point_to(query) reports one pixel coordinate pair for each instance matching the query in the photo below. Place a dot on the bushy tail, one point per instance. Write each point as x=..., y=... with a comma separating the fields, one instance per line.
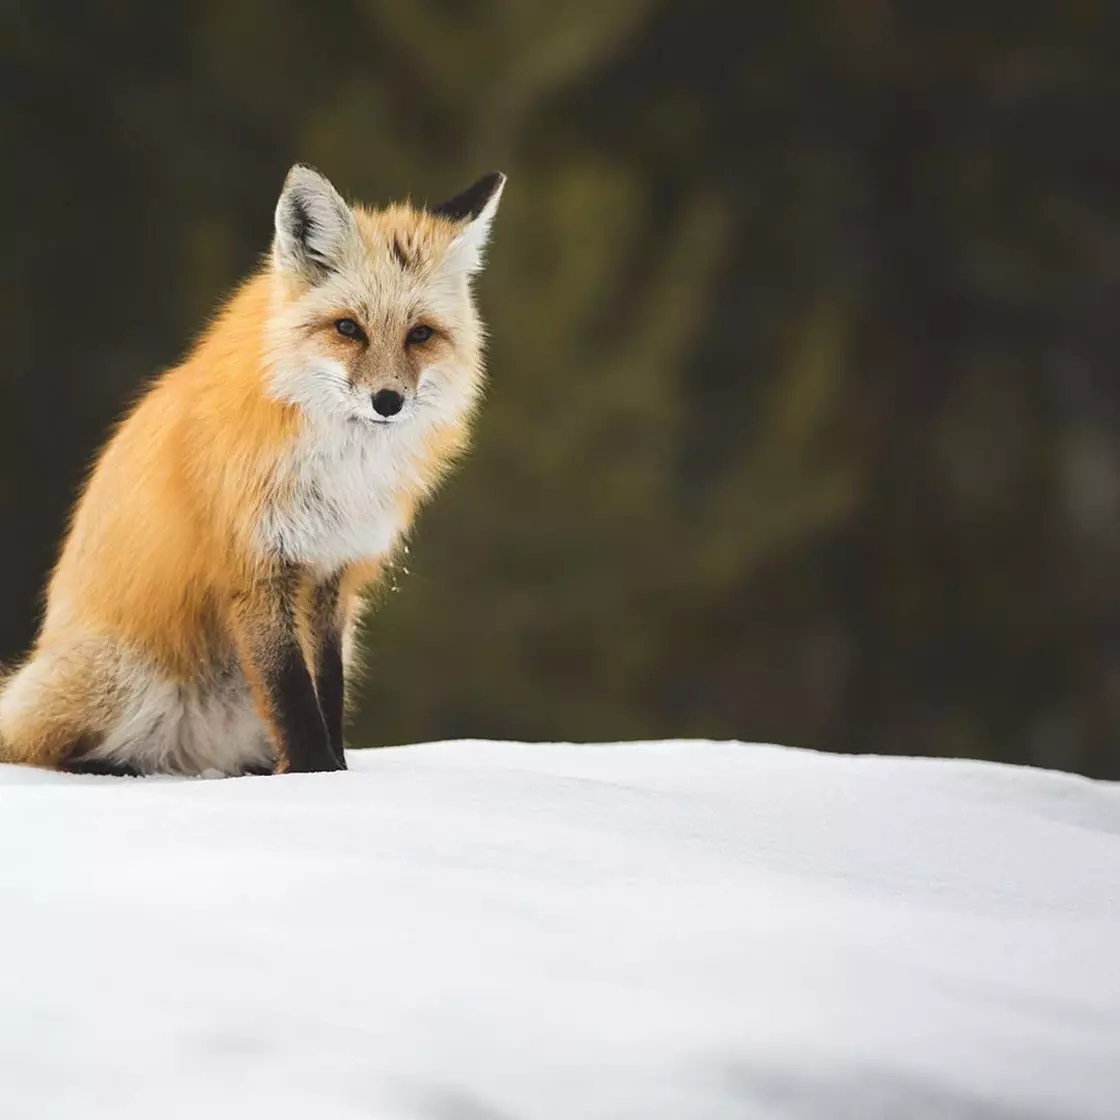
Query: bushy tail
x=5, y=676
x=7, y=748
x=25, y=724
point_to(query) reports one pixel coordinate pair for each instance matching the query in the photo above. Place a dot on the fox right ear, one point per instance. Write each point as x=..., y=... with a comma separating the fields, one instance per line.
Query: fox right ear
x=315, y=229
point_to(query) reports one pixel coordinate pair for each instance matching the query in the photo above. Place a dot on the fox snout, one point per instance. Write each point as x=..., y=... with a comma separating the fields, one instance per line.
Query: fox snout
x=387, y=402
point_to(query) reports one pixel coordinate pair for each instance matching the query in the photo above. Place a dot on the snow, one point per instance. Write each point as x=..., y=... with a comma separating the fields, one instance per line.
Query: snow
x=496, y=931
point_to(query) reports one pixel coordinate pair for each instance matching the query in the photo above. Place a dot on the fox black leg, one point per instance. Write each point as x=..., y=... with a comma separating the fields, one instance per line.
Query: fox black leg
x=326, y=632
x=101, y=767
x=273, y=661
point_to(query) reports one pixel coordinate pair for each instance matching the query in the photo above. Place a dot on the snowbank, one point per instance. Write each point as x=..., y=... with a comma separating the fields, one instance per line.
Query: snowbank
x=490, y=931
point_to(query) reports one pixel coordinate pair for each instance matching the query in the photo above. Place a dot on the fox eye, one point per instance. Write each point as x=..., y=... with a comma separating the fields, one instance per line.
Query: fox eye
x=418, y=335
x=349, y=329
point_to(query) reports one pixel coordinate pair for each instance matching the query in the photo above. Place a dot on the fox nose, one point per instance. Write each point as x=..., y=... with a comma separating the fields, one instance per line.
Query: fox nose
x=387, y=402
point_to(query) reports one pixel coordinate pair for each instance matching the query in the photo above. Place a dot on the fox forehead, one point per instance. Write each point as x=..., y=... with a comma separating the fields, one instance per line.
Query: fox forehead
x=399, y=268
x=413, y=239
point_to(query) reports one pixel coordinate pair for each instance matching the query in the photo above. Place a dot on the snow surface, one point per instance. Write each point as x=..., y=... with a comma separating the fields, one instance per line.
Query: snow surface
x=494, y=931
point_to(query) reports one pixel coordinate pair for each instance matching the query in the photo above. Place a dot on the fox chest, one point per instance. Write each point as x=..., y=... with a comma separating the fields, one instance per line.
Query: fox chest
x=337, y=505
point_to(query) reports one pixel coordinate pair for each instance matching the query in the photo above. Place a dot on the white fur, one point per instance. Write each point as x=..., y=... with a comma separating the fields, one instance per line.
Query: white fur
x=350, y=468
x=343, y=505
x=163, y=727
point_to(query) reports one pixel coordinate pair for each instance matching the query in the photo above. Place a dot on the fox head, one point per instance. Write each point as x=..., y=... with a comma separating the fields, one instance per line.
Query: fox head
x=373, y=321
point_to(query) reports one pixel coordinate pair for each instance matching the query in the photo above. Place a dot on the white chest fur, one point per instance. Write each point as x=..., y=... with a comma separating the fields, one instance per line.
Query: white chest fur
x=341, y=497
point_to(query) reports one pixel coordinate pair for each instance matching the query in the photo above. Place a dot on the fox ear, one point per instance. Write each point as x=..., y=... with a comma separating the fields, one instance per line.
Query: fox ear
x=473, y=210
x=315, y=228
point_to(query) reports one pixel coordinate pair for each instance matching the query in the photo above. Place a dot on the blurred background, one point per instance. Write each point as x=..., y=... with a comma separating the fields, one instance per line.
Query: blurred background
x=804, y=416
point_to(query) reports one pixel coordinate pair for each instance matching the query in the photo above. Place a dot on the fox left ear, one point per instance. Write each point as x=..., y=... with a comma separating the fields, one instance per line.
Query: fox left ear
x=474, y=210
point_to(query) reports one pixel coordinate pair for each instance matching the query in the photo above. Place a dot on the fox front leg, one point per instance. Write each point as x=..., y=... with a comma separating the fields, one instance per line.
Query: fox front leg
x=268, y=644
x=325, y=625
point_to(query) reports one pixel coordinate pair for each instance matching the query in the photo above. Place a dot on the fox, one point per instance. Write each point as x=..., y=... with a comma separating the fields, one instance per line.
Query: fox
x=201, y=618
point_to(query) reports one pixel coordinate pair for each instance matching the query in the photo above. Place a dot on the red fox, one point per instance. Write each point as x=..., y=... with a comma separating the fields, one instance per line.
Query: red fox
x=201, y=616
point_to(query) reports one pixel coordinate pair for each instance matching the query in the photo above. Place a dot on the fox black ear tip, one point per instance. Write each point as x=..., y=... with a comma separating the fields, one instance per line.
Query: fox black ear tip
x=483, y=189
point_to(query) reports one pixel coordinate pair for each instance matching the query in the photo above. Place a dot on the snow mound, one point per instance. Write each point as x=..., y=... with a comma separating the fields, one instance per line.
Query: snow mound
x=495, y=931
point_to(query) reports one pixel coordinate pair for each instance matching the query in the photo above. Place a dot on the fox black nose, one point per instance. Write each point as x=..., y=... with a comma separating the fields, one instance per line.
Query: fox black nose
x=387, y=402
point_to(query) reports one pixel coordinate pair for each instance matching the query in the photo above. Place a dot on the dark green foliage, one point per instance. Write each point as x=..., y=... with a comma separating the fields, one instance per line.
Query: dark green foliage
x=804, y=422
